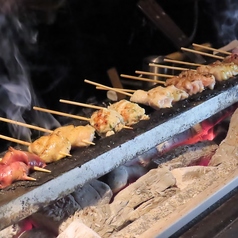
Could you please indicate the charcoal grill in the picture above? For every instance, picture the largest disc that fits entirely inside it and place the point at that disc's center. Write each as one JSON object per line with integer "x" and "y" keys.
{"x": 25, "y": 198}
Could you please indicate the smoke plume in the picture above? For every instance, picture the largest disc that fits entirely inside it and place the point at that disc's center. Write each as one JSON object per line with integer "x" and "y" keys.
{"x": 224, "y": 14}
{"x": 17, "y": 95}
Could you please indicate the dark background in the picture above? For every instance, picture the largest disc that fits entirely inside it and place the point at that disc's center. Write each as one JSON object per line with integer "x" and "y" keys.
{"x": 83, "y": 39}
{"x": 48, "y": 48}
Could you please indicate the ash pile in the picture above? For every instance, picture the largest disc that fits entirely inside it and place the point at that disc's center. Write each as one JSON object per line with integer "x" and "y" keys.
{"x": 151, "y": 191}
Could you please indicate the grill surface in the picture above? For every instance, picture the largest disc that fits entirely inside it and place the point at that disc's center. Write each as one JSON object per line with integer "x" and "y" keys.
{"x": 24, "y": 198}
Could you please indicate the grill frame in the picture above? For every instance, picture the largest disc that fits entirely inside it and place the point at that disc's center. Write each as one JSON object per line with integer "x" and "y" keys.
{"x": 25, "y": 198}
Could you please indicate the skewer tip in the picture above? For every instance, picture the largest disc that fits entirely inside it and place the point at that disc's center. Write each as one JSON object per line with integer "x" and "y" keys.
{"x": 65, "y": 154}
{"x": 88, "y": 142}
{"x": 41, "y": 169}
{"x": 30, "y": 178}
{"x": 128, "y": 127}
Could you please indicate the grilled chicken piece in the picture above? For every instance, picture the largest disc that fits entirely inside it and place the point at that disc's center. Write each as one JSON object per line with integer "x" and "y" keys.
{"x": 51, "y": 147}
{"x": 191, "y": 85}
{"x": 140, "y": 96}
{"x": 161, "y": 97}
{"x": 78, "y": 136}
{"x": 233, "y": 58}
{"x": 30, "y": 159}
{"x": 13, "y": 172}
{"x": 65, "y": 131}
{"x": 221, "y": 70}
{"x": 208, "y": 80}
{"x": 131, "y": 112}
{"x": 106, "y": 122}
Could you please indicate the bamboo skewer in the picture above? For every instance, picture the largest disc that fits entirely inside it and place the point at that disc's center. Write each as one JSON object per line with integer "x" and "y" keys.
{"x": 30, "y": 179}
{"x": 89, "y": 106}
{"x": 202, "y": 53}
{"x": 35, "y": 127}
{"x": 142, "y": 79}
{"x": 61, "y": 113}
{"x": 121, "y": 89}
{"x": 81, "y": 104}
{"x": 69, "y": 115}
{"x": 27, "y": 144}
{"x": 66, "y": 115}
{"x": 154, "y": 74}
{"x": 41, "y": 169}
{"x": 213, "y": 49}
{"x": 25, "y": 125}
{"x": 169, "y": 67}
{"x": 14, "y": 140}
{"x": 182, "y": 62}
{"x": 109, "y": 88}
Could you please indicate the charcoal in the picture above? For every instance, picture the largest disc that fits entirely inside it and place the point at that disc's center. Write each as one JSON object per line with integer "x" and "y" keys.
{"x": 77, "y": 230}
{"x": 228, "y": 147}
{"x": 187, "y": 155}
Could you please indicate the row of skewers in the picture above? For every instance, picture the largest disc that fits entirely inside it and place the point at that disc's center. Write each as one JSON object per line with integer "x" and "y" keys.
{"x": 186, "y": 83}
{"x": 57, "y": 144}
{"x": 105, "y": 121}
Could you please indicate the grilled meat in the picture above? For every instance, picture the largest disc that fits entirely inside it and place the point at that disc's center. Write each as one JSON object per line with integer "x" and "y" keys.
{"x": 106, "y": 122}
{"x": 140, "y": 96}
{"x": 13, "y": 172}
{"x": 220, "y": 70}
{"x": 160, "y": 97}
{"x": 77, "y": 135}
{"x": 51, "y": 147}
{"x": 30, "y": 159}
{"x": 233, "y": 58}
{"x": 208, "y": 80}
{"x": 191, "y": 85}
{"x": 131, "y": 112}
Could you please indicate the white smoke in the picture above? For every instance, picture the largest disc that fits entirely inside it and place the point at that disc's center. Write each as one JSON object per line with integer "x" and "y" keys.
{"x": 225, "y": 18}
{"x": 17, "y": 95}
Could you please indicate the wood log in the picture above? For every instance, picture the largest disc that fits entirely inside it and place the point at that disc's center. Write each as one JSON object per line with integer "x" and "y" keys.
{"x": 93, "y": 193}
{"x": 78, "y": 230}
{"x": 188, "y": 175}
{"x": 150, "y": 205}
{"x": 183, "y": 202}
{"x": 187, "y": 155}
{"x": 129, "y": 204}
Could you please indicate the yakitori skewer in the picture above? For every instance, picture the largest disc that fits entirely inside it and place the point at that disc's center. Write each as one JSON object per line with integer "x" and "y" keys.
{"x": 202, "y": 53}
{"x": 68, "y": 115}
{"x": 131, "y": 112}
{"x": 91, "y": 120}
{"x": 142, "y": 79}
{"x": 154, "y": 74}
{"x": 182, "y": 62}
{"x": 168, "y": 67}
{"x": 211, "y": 48}
{"x": 85, "y": 104}
{"x": 27, "y": 143}
{"x": 36, "y": 168}
{"x": 35, "y": 127}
